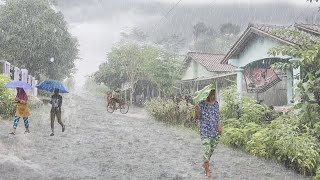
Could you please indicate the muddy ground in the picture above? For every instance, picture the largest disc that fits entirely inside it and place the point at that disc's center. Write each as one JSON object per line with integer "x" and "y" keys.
{"x": 99, "y": 145}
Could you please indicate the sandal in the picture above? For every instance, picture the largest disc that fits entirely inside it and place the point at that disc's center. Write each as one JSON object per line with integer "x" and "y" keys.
{"x": 27, "y": 131}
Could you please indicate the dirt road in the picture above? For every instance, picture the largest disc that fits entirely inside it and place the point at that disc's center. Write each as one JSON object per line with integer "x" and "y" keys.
{"x": 99, "y": 145}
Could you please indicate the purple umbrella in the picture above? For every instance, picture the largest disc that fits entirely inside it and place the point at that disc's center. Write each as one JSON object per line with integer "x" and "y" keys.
{"x": 19, "y": 84}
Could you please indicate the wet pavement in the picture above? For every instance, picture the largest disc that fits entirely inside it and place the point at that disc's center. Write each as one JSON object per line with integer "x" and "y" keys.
{"x": 100, "y": 145}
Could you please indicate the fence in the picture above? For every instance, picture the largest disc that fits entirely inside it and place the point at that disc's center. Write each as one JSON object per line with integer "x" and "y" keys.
{"x": 17, "y": 74}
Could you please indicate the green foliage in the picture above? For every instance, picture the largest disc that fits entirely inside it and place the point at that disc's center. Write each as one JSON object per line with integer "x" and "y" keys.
{"x": 231, "y": 103}
{"x": 252, "y": 112}
{"x": 233, "y": 137}
{"x": 32, "y": 33}
{"x": 258, "y": 144}
{"x": 229, "y": 28}
{"x": 99, "y": 90}
{"x": 290, "y": 140}
{"x": 203, "y": 93}
{"x": 281, "y": 140}
{"x": 34, "y": 102}
{"x": 208, "y": 40}
{"x": 248, "y": 108}
{"x": 164, "y": 70}
{"x": 317, "y": 130}
{"x": 6, "y": 97}
{"x": 132, "y": 62}
{"x": 171, "y": 112}
{"x": 308, "y": 87}
{"x": 317, "y": 177}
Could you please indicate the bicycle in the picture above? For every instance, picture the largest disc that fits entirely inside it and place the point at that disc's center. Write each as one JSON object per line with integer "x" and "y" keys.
{"x": 111, "y": 107}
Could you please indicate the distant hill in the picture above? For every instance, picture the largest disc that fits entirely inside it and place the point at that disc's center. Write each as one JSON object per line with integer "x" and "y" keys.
{"x": 182, "y": 19}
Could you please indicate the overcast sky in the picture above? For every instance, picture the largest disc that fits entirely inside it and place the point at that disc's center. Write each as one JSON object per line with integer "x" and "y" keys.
{"x": 225, "y": 1}
{"x": 97, "y": 37}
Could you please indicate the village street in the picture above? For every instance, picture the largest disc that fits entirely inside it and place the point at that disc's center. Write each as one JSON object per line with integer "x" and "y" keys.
{"x": 99, "y": 145}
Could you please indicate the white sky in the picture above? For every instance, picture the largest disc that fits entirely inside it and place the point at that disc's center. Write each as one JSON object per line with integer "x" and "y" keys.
{"x": 96, "y": 38}
{"x": 226, "y": 1}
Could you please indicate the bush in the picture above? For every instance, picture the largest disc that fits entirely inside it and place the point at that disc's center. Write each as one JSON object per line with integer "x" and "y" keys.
{"x": 231, "y": 103}
{"x": 6, "y": 97}
{"x": 258, "y": 144}
{"x": 247, "y": 109}
{"x": 281, "y": 140}
{"x": 293, "y": 148}
{"x": 233, "y": 137}
{"x": 34, "y": 102}
{"x": 252, "y": 112}
{"x": 168, "y": 111}
{"x": 317, "y": 177}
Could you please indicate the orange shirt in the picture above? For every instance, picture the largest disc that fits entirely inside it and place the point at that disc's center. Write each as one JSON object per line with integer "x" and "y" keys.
{"x": 22, "y": 110}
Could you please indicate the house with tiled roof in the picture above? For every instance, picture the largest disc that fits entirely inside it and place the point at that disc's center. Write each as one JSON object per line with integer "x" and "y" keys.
{"x": 202, "y": 69}
{"x": 252, "y": 61}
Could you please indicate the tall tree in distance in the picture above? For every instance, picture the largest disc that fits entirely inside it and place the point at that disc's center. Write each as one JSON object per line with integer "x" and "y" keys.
{"x": 229, "y": 29}
{"x": 34, "y": 36}
{"x": 198, "y": 29}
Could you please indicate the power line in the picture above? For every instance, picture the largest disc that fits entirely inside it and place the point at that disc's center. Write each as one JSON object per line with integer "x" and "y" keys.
{"x": 165, "y": 16}
{"x": 172, "y": 8}
{"x": 301, "y": 13}
{"x": 212, "y": 3}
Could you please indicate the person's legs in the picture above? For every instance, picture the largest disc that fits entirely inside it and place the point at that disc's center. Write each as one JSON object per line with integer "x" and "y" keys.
{"x": 15, "y": 124}
{"x": 207, "y": 153}
{"x": 59, "y": 120}
{"x": 213, "y": 143}
{"x": 52, "y": 116}
{"x": 26, "y": 124}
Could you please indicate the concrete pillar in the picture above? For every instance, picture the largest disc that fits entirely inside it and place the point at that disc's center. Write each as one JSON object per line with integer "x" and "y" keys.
{"x": 289, "y": 87}
{"x": 29, "y": 79}
{"x": 35, "y": 90}
{"x": 296, "y": 76}
{"x": 16, "y": 76}
{"x": 239, "y": 80}
{"x": 24, "y": 73}
{"x": 6, "y": 68}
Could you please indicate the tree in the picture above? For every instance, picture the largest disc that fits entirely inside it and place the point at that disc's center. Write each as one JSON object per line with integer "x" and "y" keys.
{"x": 229, "y": 29}
{"x": 132, "y": 63}
{"x": 308, "y": 53}
{"x": 125, "y": 64}
{"x": 212, "y": 42}
{"x": 35, "y": 37}
{"x": 164, "y": 71}
{"x": 198, "y": 29}
{"x": 134, "y": 36}
{"x": 173, "y": 43}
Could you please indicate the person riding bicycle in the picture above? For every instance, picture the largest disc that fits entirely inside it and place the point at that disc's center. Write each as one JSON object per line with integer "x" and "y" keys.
{"x": 115, "y": 97}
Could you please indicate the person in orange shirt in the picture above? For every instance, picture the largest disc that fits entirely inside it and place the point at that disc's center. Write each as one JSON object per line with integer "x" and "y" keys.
{"x": 22, "y": 110}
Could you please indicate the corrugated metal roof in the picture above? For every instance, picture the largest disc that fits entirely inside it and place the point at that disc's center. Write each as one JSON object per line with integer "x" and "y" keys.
{"x": 212, "y": 62}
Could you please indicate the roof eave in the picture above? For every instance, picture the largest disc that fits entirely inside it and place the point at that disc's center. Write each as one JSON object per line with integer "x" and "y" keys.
{"x": 303, "y": 28}
{"x": 245, "y": 35}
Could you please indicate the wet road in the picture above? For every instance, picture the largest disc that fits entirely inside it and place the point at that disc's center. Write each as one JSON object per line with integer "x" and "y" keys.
{"x": 99, "y": 145}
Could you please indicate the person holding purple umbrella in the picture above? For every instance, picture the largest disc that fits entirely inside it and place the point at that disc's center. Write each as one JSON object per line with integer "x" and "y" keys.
{"x": 22, "y": 110}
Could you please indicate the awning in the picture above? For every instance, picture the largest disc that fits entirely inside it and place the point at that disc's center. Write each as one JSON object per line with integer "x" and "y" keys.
{"x": 218, "y": 76}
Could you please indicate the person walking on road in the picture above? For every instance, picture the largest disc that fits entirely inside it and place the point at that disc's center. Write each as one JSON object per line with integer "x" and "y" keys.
{"x": 56, "y": 102}
{"x": 22, "y": 110}
{"x": 207, "y": 116}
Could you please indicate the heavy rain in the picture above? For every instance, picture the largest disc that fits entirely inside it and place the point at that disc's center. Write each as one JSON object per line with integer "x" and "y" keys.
{"x": 159, "y": 89}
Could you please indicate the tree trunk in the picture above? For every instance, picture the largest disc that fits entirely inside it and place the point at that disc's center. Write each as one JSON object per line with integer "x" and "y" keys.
{"x": 131, "y": 96}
